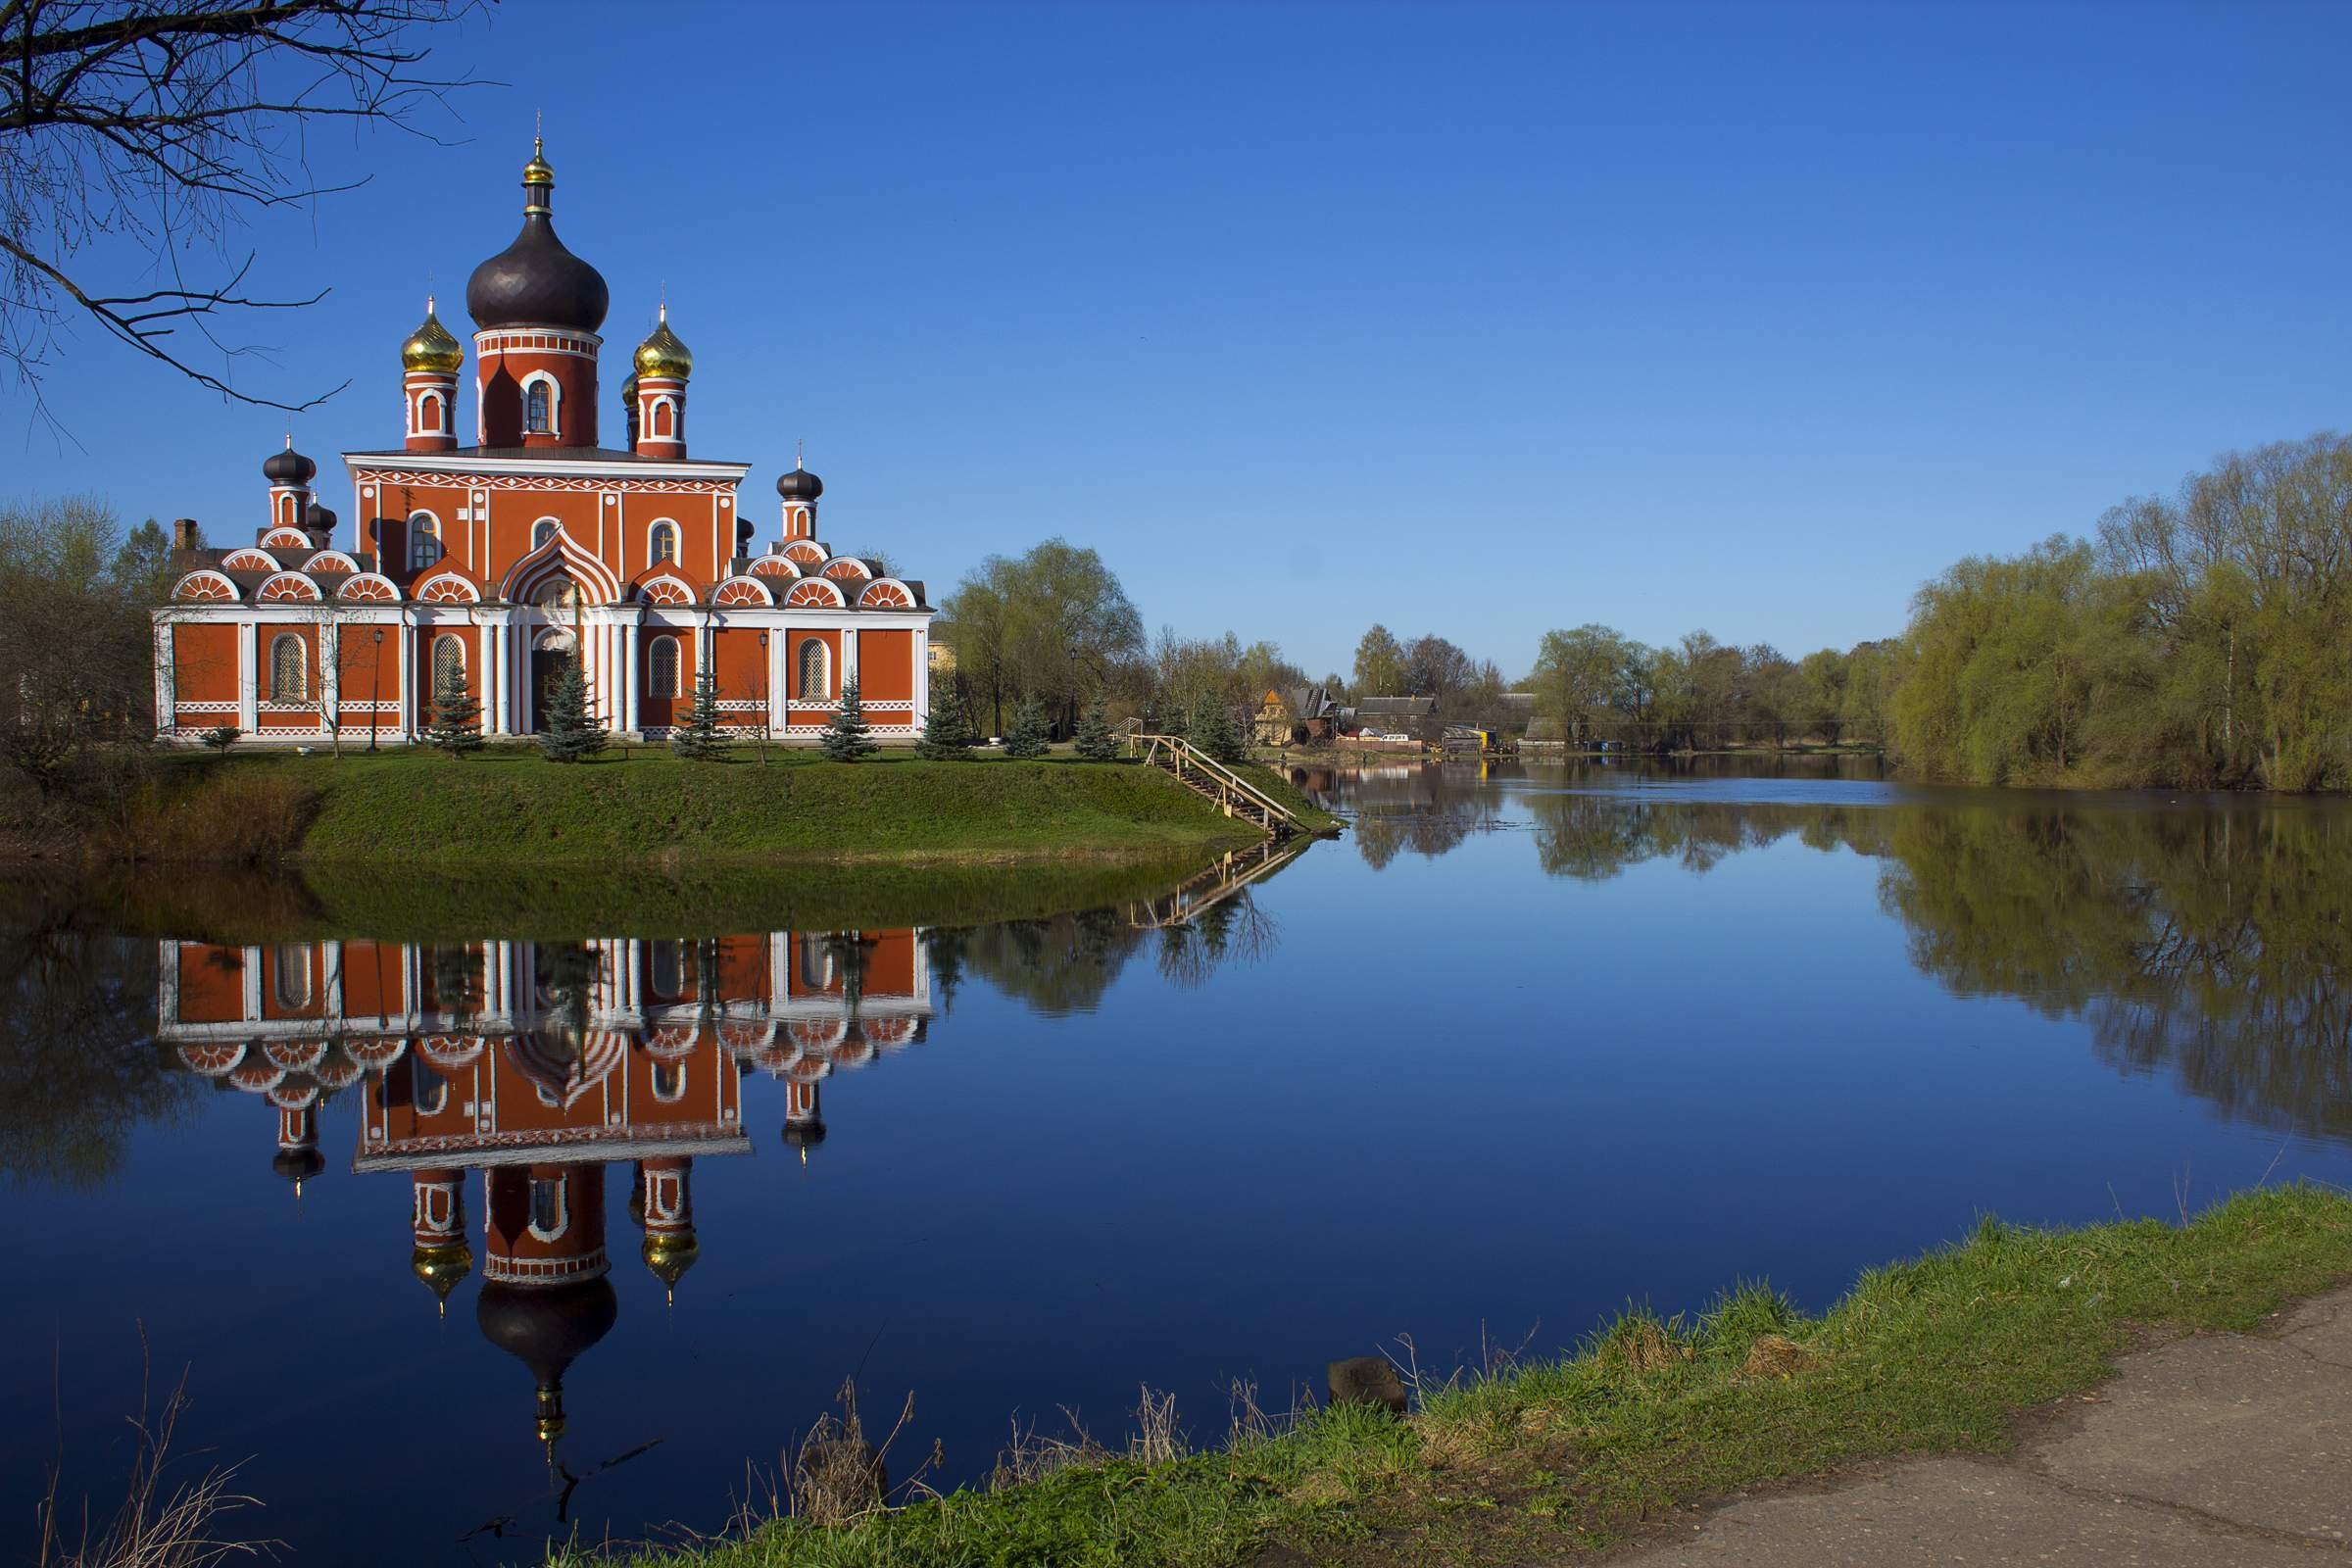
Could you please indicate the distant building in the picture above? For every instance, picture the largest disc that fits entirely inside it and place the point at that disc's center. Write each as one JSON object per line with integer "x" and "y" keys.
{"x": 1292, "y": 715}
{"x": 1406, "y": 717}
{"x": 942, "y": 658}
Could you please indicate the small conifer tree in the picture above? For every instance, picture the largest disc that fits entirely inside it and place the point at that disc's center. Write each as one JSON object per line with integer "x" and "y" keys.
{"x": 222, "y": 737}
{"x": 567, "y": 734}
{"x": 945, "y": 737}
{"x": 1029, "y": 736}
{"x": 1214, "y": 731}
{"x": 697, "y": 738}
{"x": 456, "y": 726}
{"x": 1096, "y": 742}
{"x": 1172, "y": 722}
{"x": 849, "y": 737}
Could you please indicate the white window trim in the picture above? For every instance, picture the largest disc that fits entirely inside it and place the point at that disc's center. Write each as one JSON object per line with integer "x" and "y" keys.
{"x": 677, "y": 537}
{"x": 800, "y": 682}
{"x": 276, "y": 642}
{"x": 678, "y": 675}
{"x": 438, "y": 424}
{"x": 555, "y": 402}
{"x": 647, "y": 423}
{"x": 556, "y": 525}
{"x": 432, "y": 521}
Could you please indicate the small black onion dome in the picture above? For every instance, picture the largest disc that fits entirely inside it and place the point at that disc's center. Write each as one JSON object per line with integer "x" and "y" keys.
{"x": 289, "y": 467}
{"x": 536, "y": 282}
{"x": 804, "y": 1134}
{"x": 298, "y": 1164}
{"x": 546, "y": 1327}
{"x": 800, "y": 485}
{"x": 317, "y": 519}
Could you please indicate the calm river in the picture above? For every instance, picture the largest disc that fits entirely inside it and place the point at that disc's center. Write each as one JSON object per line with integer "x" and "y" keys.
{"x": 1523, "y": 1045}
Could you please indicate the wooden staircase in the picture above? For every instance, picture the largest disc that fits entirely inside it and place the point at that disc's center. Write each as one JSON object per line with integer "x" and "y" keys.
{"x": 1212, "y": 886}
{"x": 1213, "y": 781}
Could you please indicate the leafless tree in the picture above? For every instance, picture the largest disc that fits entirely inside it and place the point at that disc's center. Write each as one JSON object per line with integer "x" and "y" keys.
{"x": 165, "y": 124}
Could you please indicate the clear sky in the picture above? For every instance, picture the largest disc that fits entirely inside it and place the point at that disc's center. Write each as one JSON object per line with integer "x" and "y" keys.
{"x": 1478, "y": 320}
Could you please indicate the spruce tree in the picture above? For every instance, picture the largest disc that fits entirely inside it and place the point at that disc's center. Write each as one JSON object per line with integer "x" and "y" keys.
{"x": 946, "y": 736}
{"x": 567, "y": 734}
{"x": 456, "y": 726}
{"x": 697, "y": 738}
{"x": 1096, "y": 742}
{"x": 1029, "y": 736}
{"x": 849, "y": 737}
{"x": 1214, "y": 731}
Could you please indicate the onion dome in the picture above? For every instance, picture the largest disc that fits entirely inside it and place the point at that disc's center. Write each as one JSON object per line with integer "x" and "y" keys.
{"x": 535, "y": 281}
{"x": 662, "y": 355}
{"x": 289, "y": 467}
{"x": 298, "y": 1165}
{"x": 803, "y": 1136}
{"x": 669, "y": 1256}
{"x": 800, "y": 485}
{"x": 547, "y": 1328}
{"x": 317, "y": 519}
{"x": 431, "y": 347}
{"x": 441, "y": 1267}
{"x": 628, "y": 393}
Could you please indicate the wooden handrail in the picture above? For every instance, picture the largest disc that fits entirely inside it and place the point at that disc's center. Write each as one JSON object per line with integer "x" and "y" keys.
{"x": 1186, "y": 751}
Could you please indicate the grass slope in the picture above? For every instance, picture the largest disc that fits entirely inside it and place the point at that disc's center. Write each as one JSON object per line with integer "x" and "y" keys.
{"x": 509, "y": 806}
{"x": 1939, "y": 1353}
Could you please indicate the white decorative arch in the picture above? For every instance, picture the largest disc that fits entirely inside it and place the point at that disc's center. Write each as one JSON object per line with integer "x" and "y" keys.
{"x": 331, "y": 561}
{"x": 806, "y": 552}
{"x": 555, "y": 402}
{"x": 665, "y": 588}
{"x": 742, "y": 591}
{"x": 813, "y": 671}
{"x": 205, "y": 583}
{"x": 842, "y": 568}
{"x": 560, "y": 557}
{"x": 775, "y": 567}
{"x": 886, "y": 592}
{"x": 293, "y": 1095}
{"x": 815, "y": 593}
{"x": 250, "y": 558}
{"x": 212, "y": 1061}
{"x": 654, "y": 427}
{"x": 289, "y": 585}
{"x": 544, "y": 528}
{"x": 448, "y": 586}
{"x": 432, "y": 413}
{"x": 286, "y": 539}
{"x": 368, "y": 585}
{"x": 295, "y": 1056}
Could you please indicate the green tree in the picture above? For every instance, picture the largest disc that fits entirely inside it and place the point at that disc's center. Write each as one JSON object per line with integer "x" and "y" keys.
{"x": 945, "y": 737}
{"x": 1380, "y": 664}
{"x": 567, "y": 734}
{"x": 221, "y": 737}
{"x": 1096, "y": 742}
{"x": 697, "y": 738}
{"x": 77, "y": 641}
{"x": 1215, "y": 732}
{"x": 1029, "y": 737}
{"x": 456, "y": 724}
{"x": 1054, "y": 624}
{"x": 849, "y": 737}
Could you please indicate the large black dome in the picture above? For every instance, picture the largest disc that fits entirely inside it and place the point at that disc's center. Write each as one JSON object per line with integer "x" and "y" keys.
{"x": 546, "y": 1327}
{"x": 536, "y": 282}
{"x": 799, "y": 485}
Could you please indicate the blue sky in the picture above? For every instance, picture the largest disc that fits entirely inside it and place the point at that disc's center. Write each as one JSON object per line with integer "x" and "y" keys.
{"x": 1478, "y": 320}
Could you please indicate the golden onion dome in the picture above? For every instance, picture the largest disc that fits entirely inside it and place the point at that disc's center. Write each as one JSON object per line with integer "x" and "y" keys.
{"x": 441, "y": 1267}
{"x": 662, "y": 355}
{"x": 431, "y": 347}
{"x": 537, "y": 171}
{"x": 669, "y": 1256}
{"x": 629, "y": 391}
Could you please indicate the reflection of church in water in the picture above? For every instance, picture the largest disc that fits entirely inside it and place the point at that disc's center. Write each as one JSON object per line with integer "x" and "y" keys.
{"x": 539, "y": 1065}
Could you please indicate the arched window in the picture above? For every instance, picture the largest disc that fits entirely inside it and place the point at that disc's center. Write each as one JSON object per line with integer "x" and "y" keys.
{"x": 669, "y": 969}
{"x": 814, "y": 674}
{"x": 669, "y": 1080}
{"x": 662, "y": 543}
{"x": 816, "y": 964}
{"x": 449, "y": 664}
{"x": 664, "y": 418}
{"x": 662, "y": 667}
{"x": 289, "y": 669}
{"x": 429, "y": 414}
{"x": 538, "y": 408}
{"x": 543, "y": 531}
{"x": 424, "y": 541}
{"x": 291, "y": 979}
{"x": 549, "y": 1218}
{"x": 429, "y": 1090}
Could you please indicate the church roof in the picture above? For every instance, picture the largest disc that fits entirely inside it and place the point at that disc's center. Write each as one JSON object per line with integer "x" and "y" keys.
{"x": 558, "y": 455}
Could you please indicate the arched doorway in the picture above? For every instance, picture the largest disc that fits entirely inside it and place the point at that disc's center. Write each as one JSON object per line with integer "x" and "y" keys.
{"x": 553, "y": 653}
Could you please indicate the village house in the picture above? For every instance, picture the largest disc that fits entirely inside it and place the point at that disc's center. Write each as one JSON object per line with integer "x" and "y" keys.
{"x": 500, "y": 566}
{"x": 1295, "y": 715}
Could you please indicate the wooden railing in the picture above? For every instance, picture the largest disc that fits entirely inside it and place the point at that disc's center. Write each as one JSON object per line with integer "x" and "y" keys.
{"x": 1212, "y": 886}
{"x": 1211, "y": 779}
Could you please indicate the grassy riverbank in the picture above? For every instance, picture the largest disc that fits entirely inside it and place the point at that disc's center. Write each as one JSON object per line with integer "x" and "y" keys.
{"x": 507, "y": 807}
{"x": 1553, "y": 1458}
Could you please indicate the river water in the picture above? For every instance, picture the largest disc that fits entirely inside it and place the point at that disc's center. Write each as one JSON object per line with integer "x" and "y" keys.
{"x": 1522, "y": 1046}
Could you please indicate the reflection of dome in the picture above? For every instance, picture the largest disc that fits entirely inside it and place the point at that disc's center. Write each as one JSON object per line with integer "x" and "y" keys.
{"x": 535, "y": 281}
{"x": 298, "y": 1165}
{"x": 670, "y": 1255}
{"x": 547, "y": 1328}
{"x": 662, "y": 355}
{"x": 431, "y": 347}
{"x": 441, "y": 1267}
{"x": 803, "y": 1135}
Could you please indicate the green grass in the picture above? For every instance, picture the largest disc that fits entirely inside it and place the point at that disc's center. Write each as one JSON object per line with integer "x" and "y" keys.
{"x": 508, "y": 806}
{"x": 1937, "y": 1354}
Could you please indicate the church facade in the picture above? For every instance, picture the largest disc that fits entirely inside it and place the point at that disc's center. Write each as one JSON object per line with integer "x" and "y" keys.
{"x": 501, "y": 566}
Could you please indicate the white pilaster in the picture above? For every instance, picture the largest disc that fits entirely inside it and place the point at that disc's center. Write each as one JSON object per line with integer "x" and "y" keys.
{"x": 628, "y": 674}
{"x": 408, "y": 673}
{"x": 249, "y": 677}
{"x": 330, "y": 674}
{"x": 167, "y": 699}
{"x": 849, "y": 659}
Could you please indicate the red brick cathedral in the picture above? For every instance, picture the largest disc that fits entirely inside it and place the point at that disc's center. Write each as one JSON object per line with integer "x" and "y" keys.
{"x": 501, "y": 564}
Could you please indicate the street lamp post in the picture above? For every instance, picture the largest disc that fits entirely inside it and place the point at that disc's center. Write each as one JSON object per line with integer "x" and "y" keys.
{"x": 376, "y": 693}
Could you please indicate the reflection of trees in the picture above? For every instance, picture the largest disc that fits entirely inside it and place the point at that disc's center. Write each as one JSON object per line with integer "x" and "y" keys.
{"x": 1428, "y": 810}
{"x": 2207, "y": 943}
{"x": 79, "y": 1067}
{"x": 1064, "y": 964}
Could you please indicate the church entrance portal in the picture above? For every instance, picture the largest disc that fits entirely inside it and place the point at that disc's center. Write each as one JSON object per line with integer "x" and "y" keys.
{"x": 549, "y": 665}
